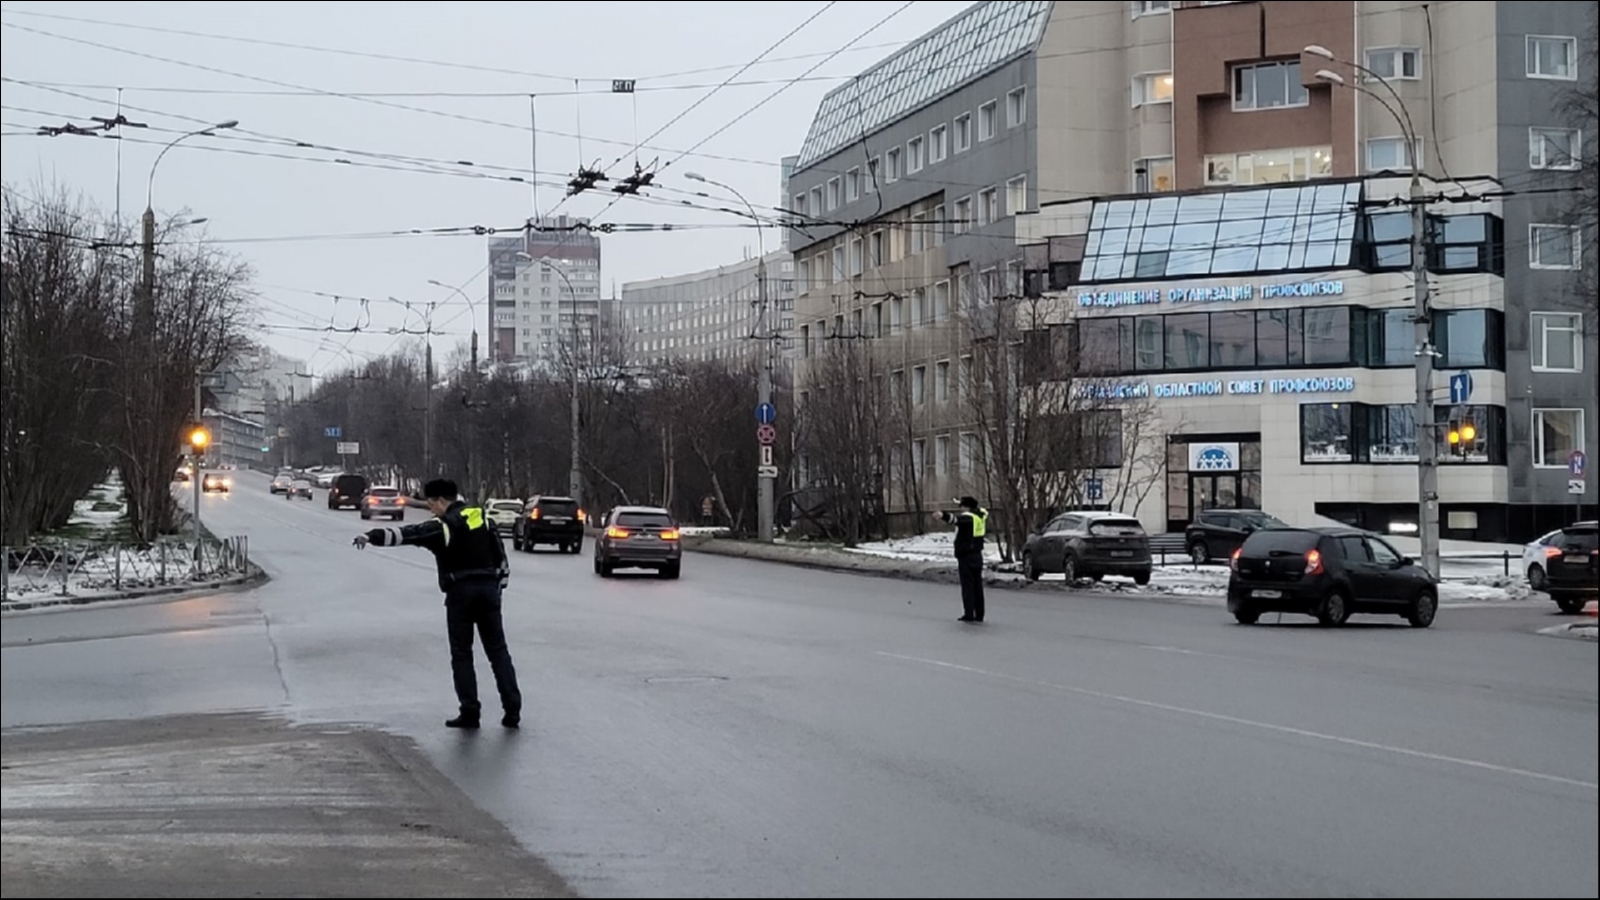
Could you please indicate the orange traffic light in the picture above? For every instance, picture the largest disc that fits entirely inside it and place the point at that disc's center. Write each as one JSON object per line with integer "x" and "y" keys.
{"x": 199, "y": 438}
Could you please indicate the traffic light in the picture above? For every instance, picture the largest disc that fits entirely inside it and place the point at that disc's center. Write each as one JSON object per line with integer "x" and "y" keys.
{"x": 199, "y": 438}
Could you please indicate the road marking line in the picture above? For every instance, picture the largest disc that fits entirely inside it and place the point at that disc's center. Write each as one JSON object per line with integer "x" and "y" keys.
{"x": 1264, "y": 726}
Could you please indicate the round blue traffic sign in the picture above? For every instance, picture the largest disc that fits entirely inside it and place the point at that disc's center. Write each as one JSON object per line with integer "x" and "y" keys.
{"x": 766, "y": 413}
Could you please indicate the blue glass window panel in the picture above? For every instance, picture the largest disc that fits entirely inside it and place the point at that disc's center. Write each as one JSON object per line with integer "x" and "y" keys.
{"x": 1141, "y": 213}
{"x": 1114, "y": 242}
{"x": 1152, "y": 264}
{"x": 1119, "y": 214}
{"x": 1157, "y": 237}
{"x": 1330, "y": 198}
{"x": 1091, "y": 247}
{"x": 1273, "y": 258}
{"x": 1163, "y": 211}
{"x": 1324, "y": 228}
{"x": 1320, "y": 255}
{"x": 1233, "y": 339}
{"x": 1457, "y": 258}
{"x": 1473, "y": 229}
{"x": 1188, "y": 341}
{"x": 1341, "y": 254}
{"x": 1097, "y": 216}
{"x": 1246, "y": 233}
{"x": 1189, "y": 262}
{"x": 1244, "y": 205}
{"x": 1234, "y": 259}
{"x": 1284, "y": 201}
{"x": 1297, "y": 256}
{"x": 1199, "y": 208}
{"x": 1148, "y": 355}
{"x": 1199, "y": 236}
{"x": 1390, "y": 226}
{"x": 1278, "y": 231}
{"x": 1392, "y": 256}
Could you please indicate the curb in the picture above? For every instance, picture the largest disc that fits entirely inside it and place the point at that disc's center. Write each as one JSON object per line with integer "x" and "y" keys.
{"x": 817, "y": 558}
{"x": 253, "y": 579}
{"x": 1583, "y": 631}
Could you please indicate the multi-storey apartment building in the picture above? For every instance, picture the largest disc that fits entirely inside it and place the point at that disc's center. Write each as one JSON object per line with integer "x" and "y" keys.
{"x": 912, "y": 177}
{"x": 539, "y": 282}
{"x": 709, "y": 315}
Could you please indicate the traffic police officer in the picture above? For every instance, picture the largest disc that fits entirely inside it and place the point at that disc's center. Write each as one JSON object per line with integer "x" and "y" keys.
{"x": 473, "y": 571}
{"x": 972, "y": 524}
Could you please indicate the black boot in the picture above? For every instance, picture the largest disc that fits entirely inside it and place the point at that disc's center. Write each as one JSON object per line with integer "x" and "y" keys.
{"x": 462, "y": 721}
{"x": 512, "y": 718}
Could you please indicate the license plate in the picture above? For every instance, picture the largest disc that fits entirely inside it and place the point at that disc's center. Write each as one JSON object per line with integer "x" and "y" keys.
{"x": 1122, "y": 553}
{"x": 1266, "y": 595}
{"x": 558, "y": 520}
{"x": 1576, "y": 559}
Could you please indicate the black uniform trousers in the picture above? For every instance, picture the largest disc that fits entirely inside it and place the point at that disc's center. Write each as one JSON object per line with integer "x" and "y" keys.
{"x": 476, "y": 604}
{"x": 970, "y": 566}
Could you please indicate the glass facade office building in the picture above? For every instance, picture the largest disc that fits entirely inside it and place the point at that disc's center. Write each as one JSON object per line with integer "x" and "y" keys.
{"x": 1271, "y": 330}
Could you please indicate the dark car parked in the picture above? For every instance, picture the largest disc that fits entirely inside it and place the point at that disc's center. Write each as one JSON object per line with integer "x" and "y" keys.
{"x": 1090, "y": 544}
{"x": 346, "y": 491}
{"x": 1572, "y": 566}
{"x": 1216, "y": 533}
{"x": 549, "y": 520}
{"x": 1329, "y": 573}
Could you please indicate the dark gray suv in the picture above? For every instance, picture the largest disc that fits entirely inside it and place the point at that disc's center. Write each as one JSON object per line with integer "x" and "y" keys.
{"x": 1089, "y": 544}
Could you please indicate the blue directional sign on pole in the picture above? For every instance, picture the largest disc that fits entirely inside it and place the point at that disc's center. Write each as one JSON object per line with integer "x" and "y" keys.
{"x": 766, "y": 414}
{"x": 1094, "y": 489}
{"x": 333, "y": 431}
{"x": 1577, "y": 463}
{"x": 1461, "y": 388}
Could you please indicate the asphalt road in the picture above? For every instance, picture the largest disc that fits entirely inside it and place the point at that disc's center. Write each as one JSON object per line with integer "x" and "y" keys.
{"x": 762, "y": 730}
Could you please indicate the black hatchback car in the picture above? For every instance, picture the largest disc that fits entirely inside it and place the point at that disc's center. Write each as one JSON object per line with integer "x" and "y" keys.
{"x": 549, "y": 520}
{"x": 1572, "y": 566}
{"x": 1329, "y": 573}
{"x": 346, "y": 492}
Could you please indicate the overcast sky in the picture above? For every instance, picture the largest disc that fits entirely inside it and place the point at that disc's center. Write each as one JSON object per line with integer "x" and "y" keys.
{"x": 278, "y": 207}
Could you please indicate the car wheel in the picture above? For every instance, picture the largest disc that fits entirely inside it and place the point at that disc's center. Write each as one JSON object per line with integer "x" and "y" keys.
{"x": 365, "y": 516}
{"x": 577, "y": 547}
{"x": 598, "y": 569}
{"x": 1141, "y": 578}
{"x": 607, "y": 569}
{"x": 1536, "y": 578}
{"x": 516, "y": 542}
{"x": 399, "y": 517}
{"x": 1245, "y": 615}
{"x": 1335, "y": 610}
{"x": 1199, "y": 553}
{"x": 1069, "y": 568}
{"x": 1423, "y": 609}
{"x": 669, "y": 571}
{"x": 1571, "y": 605}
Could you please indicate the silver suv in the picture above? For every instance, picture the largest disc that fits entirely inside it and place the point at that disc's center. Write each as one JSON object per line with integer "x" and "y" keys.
{"x": 383, "y": 501}
{"x": 641, "y": 537}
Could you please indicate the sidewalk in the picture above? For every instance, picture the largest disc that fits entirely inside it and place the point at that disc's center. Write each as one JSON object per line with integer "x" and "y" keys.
{"x": 240, "y": 805}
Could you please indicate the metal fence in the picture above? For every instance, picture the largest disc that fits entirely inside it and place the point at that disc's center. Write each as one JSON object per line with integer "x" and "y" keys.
{"x": 88, "y": 568}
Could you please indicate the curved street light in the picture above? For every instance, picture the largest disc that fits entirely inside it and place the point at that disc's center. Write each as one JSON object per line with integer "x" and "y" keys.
{"x": 575, "y": 476}
{"x": 209, "y": 130}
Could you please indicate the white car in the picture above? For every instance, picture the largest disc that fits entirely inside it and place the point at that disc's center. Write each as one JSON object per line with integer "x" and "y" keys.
{"x": 502, "y": 513}
{"x": 1534, "y": 555}
{"x": 281, "y": 484}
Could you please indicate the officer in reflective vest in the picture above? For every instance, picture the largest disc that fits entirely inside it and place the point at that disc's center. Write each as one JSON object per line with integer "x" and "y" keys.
{"x": 473, "y": 571}
{"x": 972, "y": 525}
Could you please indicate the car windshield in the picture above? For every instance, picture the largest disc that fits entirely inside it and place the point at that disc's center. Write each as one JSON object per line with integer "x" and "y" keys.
{"x": 506, "y": 506}
{"x": 1582, "y": 540}
{"x": 384, "y": 492}
{"x": 558, "y": 507}
{"x": 1279, "y": 543}
{"x": 644, "y": 520}
{"x": 1116, "y": 528}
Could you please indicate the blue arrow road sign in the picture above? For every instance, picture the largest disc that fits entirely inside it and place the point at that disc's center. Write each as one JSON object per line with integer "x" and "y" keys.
{"x": 1461, "y": 388}
{"x": 333, "y": 431}
{"x": 766, "y": 413}
{"x": 1577, "y": 463}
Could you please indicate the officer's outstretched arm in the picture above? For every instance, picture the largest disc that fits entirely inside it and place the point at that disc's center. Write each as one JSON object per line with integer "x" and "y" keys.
{"x": 421, "y": 534}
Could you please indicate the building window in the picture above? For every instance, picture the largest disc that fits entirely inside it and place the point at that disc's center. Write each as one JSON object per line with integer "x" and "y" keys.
{"x": 1151, "y": 7}
{"x": 941, "y": 381}
{"x": 963, "y": 220}
{"x": 1556, "y": 342}
{"x": 968, "y": 452}
{"x": 804, "y": 274}
{"x": 1390, "y": 154}
{"x": 963, "y": 126}
{"x": 964, "y": 293}
{"x": 835, "y": 197}
{"x": 852, "y": 185}
{"x": 1016, "y": 107}
{"x": 1153, "y": 87}
{"x": 1551, "y": 56}
{"x": 1553, "y": 246}
{"x": 1273, "y": 85}
{"x": 1329, "y": 336}
{"x": 941, "y": 301}
{"x": 838, "y": 262}
{"x": 815, "y": 204}
{"x": 1394, "y": 63}
{"x": 874, "y": 174}
{"x": 916, "y": 154}
{"x": 1325, "y": 433}
{"x": 919, "y": 232}
{"x": 941, "y": 455}
{"x": 1473, "y": 242}
{"x": 1013, "y": 283}
{"x": 1555, "y": 148}
{"x": 938, "y": 144}
{"x": 1016, "y": 195}
{"x": 894, "y": 165}
{"x": 1470, "y": 338}
{"x": 1153, "y": 175}
{"x": 919, "y": 307}
{"x": 919, "y": 385}
{"x": 897, "y": 315}
{"x": 940, "y": 226}
{"x": 857, "y": 262}
{"x": 988, "y": 206}
{"x": 1270, "y": 166}
{"x": 986, "y": 124}
{"x": 805, "y": 340}
{"x": 1556, "y": 434}
{"x": 876, "y": 256}
{"x": 988, "y": 285}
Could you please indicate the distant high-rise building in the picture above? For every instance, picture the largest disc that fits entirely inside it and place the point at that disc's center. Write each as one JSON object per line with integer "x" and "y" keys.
{"x": 706, "y": 315}
{"x": 538, "y": 282}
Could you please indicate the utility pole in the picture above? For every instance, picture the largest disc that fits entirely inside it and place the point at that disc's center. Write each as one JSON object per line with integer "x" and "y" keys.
{"x": 575, "y": 477}
{"x": 1427, "y": 439}
{"x": 427, "y": 412}
{"x": 199, "y": 456}
{"x": 765, "y": 499}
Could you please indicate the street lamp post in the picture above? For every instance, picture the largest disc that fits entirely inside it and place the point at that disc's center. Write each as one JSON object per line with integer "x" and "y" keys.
{"x": 1422, "y": 317}
{"x": 472, "y": 379}
{"x": 575, "y": 473}
{"x": 148, "y": 224}
{"x": 766, "y": 487}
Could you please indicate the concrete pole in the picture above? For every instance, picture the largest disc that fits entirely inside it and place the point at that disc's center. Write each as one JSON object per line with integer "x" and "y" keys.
{"x": 1427, "y": 432}
{"x": 427, "y": 413}
{"x": 766, "y": 488}
{"x": 198, "y": 476}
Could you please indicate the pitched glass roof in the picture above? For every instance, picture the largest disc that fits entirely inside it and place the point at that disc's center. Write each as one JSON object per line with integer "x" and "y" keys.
{"x": 1266, "y": 229}
{"x": 967, "y": 47}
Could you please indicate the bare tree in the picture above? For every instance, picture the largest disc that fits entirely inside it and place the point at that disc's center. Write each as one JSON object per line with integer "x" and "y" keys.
{"x": 56, "y": 399}
{"x": 841, "y": 439}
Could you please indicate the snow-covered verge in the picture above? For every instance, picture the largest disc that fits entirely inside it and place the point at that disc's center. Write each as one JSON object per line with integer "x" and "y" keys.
{"x": 1468, "y": 577}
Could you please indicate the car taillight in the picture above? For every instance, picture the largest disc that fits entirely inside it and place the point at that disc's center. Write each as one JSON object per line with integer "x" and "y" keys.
{"x": 616, "y": 532}
{"x": 671, "y": 534}
{"x": 400, "y": 501}
{"x": 1233, "y": 561}
{"x": 1314, "y": 562}
{"x": 1552, "y": 552}
{"x": 582, "y": 515}
{"x": 535, "y": 514}
{"x": 373, "y": 500}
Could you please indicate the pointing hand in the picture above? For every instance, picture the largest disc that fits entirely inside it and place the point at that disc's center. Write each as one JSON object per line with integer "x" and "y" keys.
{"x": 360, "y": 542}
